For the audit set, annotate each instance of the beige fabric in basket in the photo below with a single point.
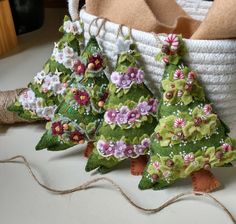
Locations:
(160, 16)
(220, 22)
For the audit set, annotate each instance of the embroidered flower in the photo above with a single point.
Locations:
(67, 26)
(180, 93)
(76, 27)
(189, 157)
(133, 116)
(121, 118)
(207, 109)
(172, 40)
(226, 147)
(129, 151)
(27, 96)
(122, 46)
(125, 81)
(68, 63)
(145, 142)
(192, 75)
(132, 72)
(121, 150)
(79, 67)
(144, 108)
(140, 76)
(81, 97)
(102, 146)
(115, 78)
(77, 136)
(72, 27)
(139, 149)
(110, 116)
(124, 110)
(65, 56)
(165, 60)
(153, 103)
(39, 77)
(57, 128)
(179, 122)
(178, 74)
(68, 51)
(48, 112)
(156, 165)
(120, 147)
(59, 88)
(97, 61)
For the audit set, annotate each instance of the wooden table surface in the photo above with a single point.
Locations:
(8, 39)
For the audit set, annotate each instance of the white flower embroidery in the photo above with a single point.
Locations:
(122, 46)
(38, 79)
(73, 27)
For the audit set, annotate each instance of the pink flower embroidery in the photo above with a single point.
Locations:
(179, 122)
(192, 75)
(178, 74)
(189, 157)
(227, 147)
(156, 165)
(207, 109)
(173, 41)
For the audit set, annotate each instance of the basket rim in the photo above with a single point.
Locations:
(224, 43)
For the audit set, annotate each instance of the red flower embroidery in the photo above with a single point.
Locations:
(79, 68)
(57, 128)
(97, 61)
(81, 97)
(76, 136)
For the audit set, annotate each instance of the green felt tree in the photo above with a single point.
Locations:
(49, 86)
(129, 119)
(189, 136)
(79, 115)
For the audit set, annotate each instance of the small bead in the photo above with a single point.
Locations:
(65, 126)
(219, 154)
(170, 163)
(169, 95)
(207, 166)
(91, 66)
(155, 177)
(101, 103)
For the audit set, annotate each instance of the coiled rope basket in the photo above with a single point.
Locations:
(213, 60)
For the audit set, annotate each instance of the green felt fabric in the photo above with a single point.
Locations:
(87, 117)
(118, 98)
(46, 100)
(172, 158)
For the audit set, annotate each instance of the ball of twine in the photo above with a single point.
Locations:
(6, 99)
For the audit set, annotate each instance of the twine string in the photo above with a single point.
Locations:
(158, 39)
(95, 20)
(21, 159)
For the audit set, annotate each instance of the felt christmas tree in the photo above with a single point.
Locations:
(49, 86)
(190, 138)
(79, 115)
(129, 119)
